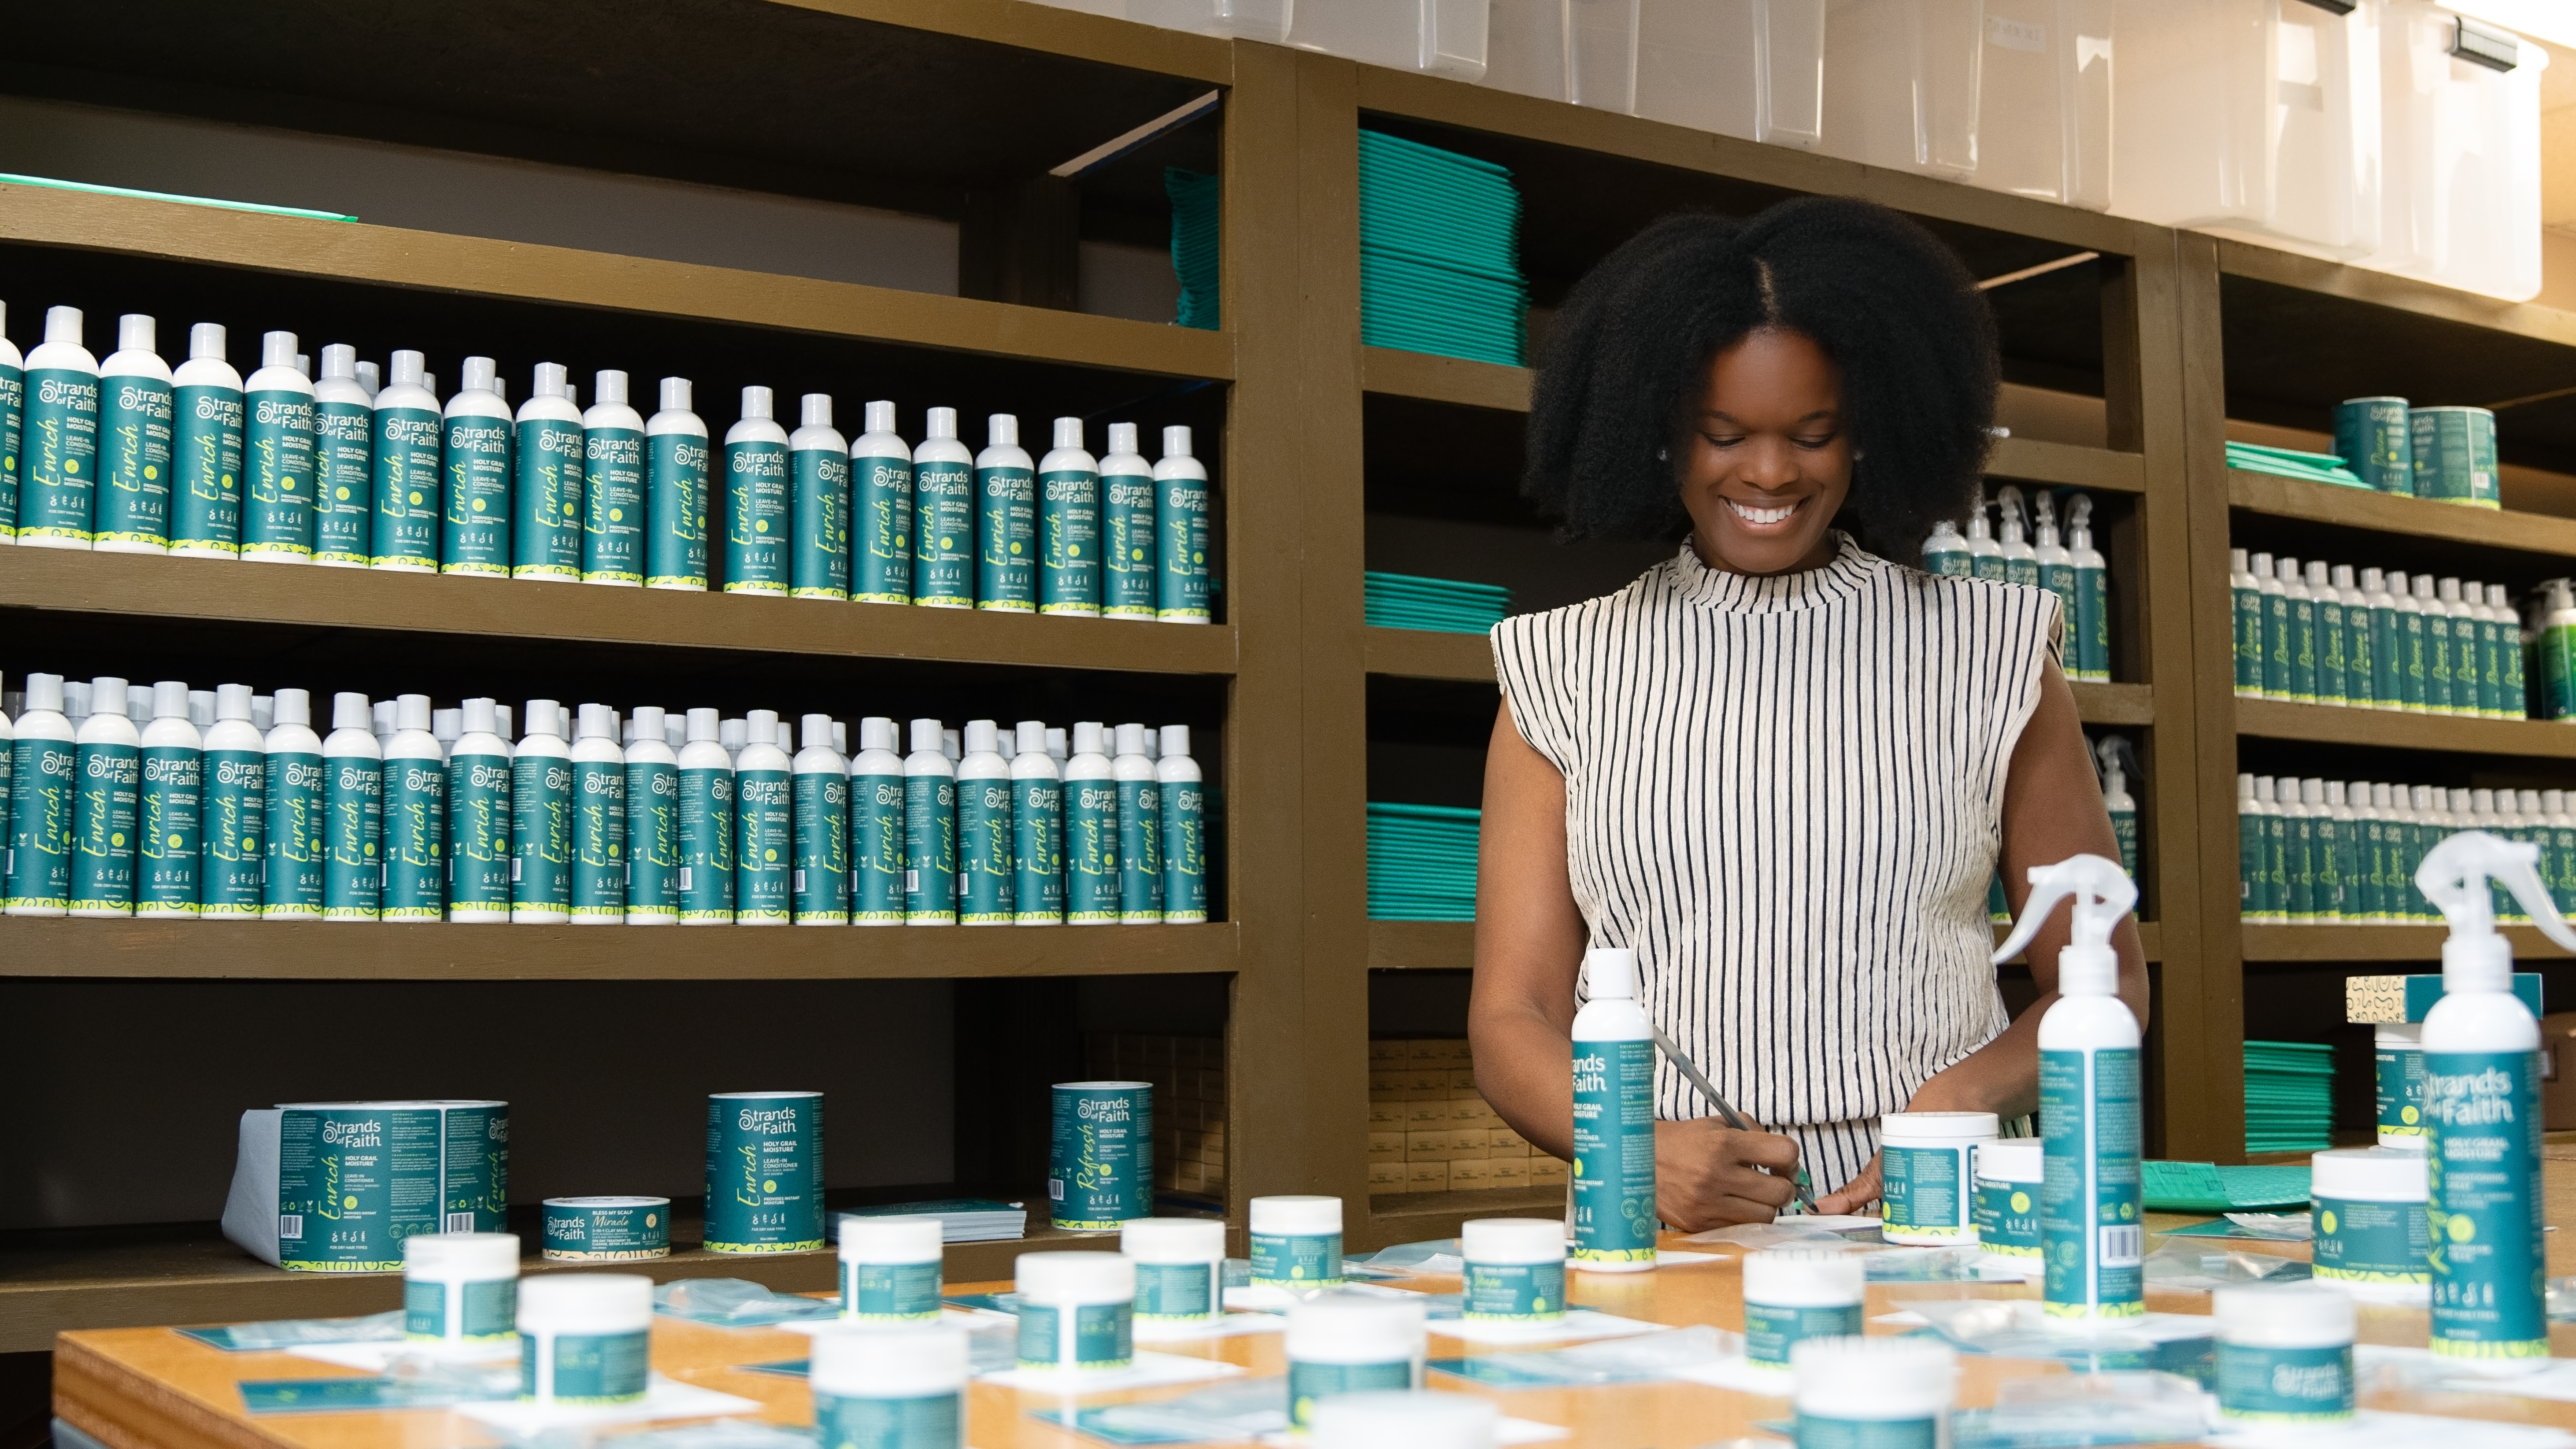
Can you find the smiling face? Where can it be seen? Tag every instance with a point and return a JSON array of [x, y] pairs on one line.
[[1766, 461]]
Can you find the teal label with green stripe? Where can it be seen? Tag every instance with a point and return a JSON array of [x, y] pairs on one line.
[[277, 474], [1176, 1292], [765, 1174], [541, 833], [1069, 542], [1296, 1260], [943, 520], [484, 1312], [589, 1368], [929, 1421], [474, 531], [1308, 1382], [2089, 1221], [13, 418], [2303, 650], [1006, 540], [822, 821], [166, 831], [1184, 852], [675, 511], [1183, 571], [599, 839], [236, 826], [2093, 624], [1820, 1431], [2249, 641], [2008, 1219], [2330, 661], [1039, 819], [706, 845], [2400, 1082], [876, 849], [612, 506], [881, 519], [929, 849], [1091, 880], [652, 841], [985, 857], [410, 490], [1100, 1162], [756, 517], [545, 500], [1513, 1292], [1127, 537], [1140, 853], [889, 1292], [478, 833], [415, 833], [2284, 1385], [59, 454], [344, 489], [1102, 1336], [134, 439], [2372, 1242], [765, 860], [2440, 668], [2487, 1258], [1771, 1329], [105, 802], [297, 839], [353, 816], [352, 1183], [1927, 1190], [821, 566], [1614, 1152]]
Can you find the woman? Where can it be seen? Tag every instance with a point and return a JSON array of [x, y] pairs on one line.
[[1781, 768]]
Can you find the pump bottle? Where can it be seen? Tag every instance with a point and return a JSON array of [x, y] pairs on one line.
[[943, 516], [291, 888], [415, 815], [13, 413], [876, 826], [1181, 518], [929, 829], [107, 779], [675, 493], [2092, 594], [1091, 823], [1069, 526], [1614, 1119], [1985, 559], [756, 502], [134, 416], [1006, 521], [1140, 829], [546, 479], [1127, 528], [167, 820], [58, 457], [1184, 815], [2021, 563], [1945, 553]]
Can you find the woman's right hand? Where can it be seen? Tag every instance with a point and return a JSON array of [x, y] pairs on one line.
[[1709, 1175]]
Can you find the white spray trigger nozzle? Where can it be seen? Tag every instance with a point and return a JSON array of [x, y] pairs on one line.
[[2454, 876], [2103, 894]]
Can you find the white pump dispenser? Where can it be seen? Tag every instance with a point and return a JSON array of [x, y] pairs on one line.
[[2056, 566], [2092, 627], [2119, 760], [1985, 559], [2021, 563]]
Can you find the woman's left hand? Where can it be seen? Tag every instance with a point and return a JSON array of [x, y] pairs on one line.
[[1854, 1195]]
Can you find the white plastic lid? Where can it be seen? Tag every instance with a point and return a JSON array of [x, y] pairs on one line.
[[1803, 1278], [461, 1257], [1090, 737], [1055, 746], [1398, 1419], [107, 696], [2368, 1174], [879, 417], [1512, 1240], [304, 364], [1176, 442], [704, 726], [598, 722], [201, 708], [138, 701], [482, 717], [815, 409], [756, 403], [1610, 974], [1879, 1378], [760, 727], [1172, 1240], [351, 712], [940, 423], [2012, 1159], [817, 731], [926, 736], [950, 746], [1065, 1279], [290, 707], [2423, 586], [1296, 1215], [63, 324], [586, 1303], [1001, 430], [135, 333], [1937, 1129], [2497, 597], [384, 720], [340, 362], [550, 378], [840, 738], [477, 375], [447, 725], [2283, 1315], [1347, 1328], [876, 732], [733, 734], [888, 1361], [2343, 576], [980, 736], [1068, 432], [232, 701], [1131, 739], [170, 699], [412, 712], [1176, 742], [2286, 570], [2450, 591], [2374, 580], [907, 1239], [206, 340], [678, 396], [1122, 437], [2262, 565], [277, 349], [1029, 737], [545, 717]]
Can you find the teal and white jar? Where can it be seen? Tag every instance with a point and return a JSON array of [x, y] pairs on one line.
[[1341, 1343], [2284, 1354], [890, 1268], [1873, 1393], [2009, 1173], [460, 1287], [1180, 1268], [889, 1388], [585, 1338], [2398, 1048], [1399, 1419], [1797, 1294], [1100, 1155], [1928, 1171], [1077, 1311], [1514, 1270], [1296, 1242], [607, 1229], [2370, 1219]]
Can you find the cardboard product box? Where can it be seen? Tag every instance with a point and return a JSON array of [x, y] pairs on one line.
[[1462, 1082], [1546, 1171], [1386, 1117], [1467, 1143], [1386, 1086], [1509, 1171], [1426, 1117], [1386, 1177], [1426, 1177], [1426, 1084], [1469, 1175], [1503, 1142], [1427, 1146], [1473, 1112], [1427, 1051], [1386, 1147]]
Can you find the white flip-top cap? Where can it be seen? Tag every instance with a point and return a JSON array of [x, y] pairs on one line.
[[545, 717], [1065, 1279], [880, 417], [467, 1257], [907, 1238], [136, 333], [888, 1361], [371, 378], [263, 712], [1610, 974], [206, 340], [107, 696], [1001, 430], [814, 410], [1006, 741], [291, 707], [760, 727], [840, 738], [1403, 1419], [1512, 1240], [1176, 442], [1176, 741], [63, 324], [1029, 736], [478, 375], [304, 364], [586, 1303], [598, 722], [1847, 1378], [876, 732], [678, 395], [1090, 737], [404, 369], [647, 720], [705, 725], [940, 423], [277, 349], [1131, 739], [1173, 1240], [756, 402], [608, 386], [550, 378], [926, 736], [170, 699], [201, 708], [351, 712], [2371, 1174], [340, 361], [2012, 1159], [981, 737], [1122, 437], [412, 712], [45, 691], [1347, 1328], [2449, 590], [816, 730], [1068, 432], [1055, 745], [232, 701], [138, 701], [386, 720], [447, 726], [482, 717], [1296, 1215]]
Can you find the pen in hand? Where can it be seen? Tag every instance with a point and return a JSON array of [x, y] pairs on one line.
[[1732, 1118]]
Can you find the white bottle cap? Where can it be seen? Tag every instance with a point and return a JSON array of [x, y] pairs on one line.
[[816, 409], [1001, 430], [107, 696], [760, 726], [138, 701], [277, 349], [340, 360], [206, 340], [609, 386], [926, 735], [879, 417], [201, 708], [705, 725], [304, 364], [1176, 442], [1296, 1215], [263, 711], [501, 718], [2312, 792], [232, 701], [733, 734], [586, 1303], [63, 324], [1512, 1240], [2373, 580], [1061, 1280], [2450, 591], [2283, 1315], [817, 730], [756, 403], [479, 374], [905, 1361], [368, 376], [840, 738], [598, 722], [170, 699], [385, 720], [482, 717], [2262, 566], [1879, 1378], [1068, 432], [351, 712], [1347, 1328], [647, 721], [1400, 1419], [941, 423], [2424, 588], [1610, 974], [461, 1257], [45, 691], [291, 707], [550, 380], [405, 368], [1090, 737], [2343, 576], [678, 396], [1172, 1240], [1937, 1129], [2529, 800], [1803, 1278], [910, 1238], [1055, 746], [2235, 556], [412, 712], [1176, 742], [2463, 802], [1122, 437], [2497, 598], [2012, 1159], [1029, 737], [545, 717], [876, 732], [447, 726], [2287, 570], [136, 333], [1131, 739], [949, 745], [2370, 1174]]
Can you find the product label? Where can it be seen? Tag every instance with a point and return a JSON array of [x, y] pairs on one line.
[[1513, 1292], [2093, 624], [1069, 542], [612, 506], [1926, 1190], [1296, 1260], [2303, 650], [889, 1292], [13, 413], [607, 1232], [410, 490], [675, 511], [2440, 667], [1167, 1292], [2008, 1218], [1140, 853], [344, 489], [352, 1183], [2279, 645], [821, 567], [589, 1368], [881, 509], [652, 841], [1308, 1382], [1100, 1162], [1091, 878], [933, 1421], [764, 1174], [1090, 1336], [415, 840], [929, 849], [1815, 1431], [2387, 660], [2401, 1093], [822, 846], [1038, 824], [59, 454], [41, 774], [479, 819], [599, 839], [474, 1187], [277, 474], [236, 826], [2414, 679], [2089, 1198], [876, 849], [353, 824], [2285, 1385], [1184, 852], [1769, 1329], [1127, 538], [765, 861], [755, 518], [291, 886], [2249, 867], [2330, 636], [2249, 642], [2372, 1242], [943, 511], [165, 831], [984, 849], [484, 1311], [2360, 661], [106, 798], [474, 533], [2487, 1256], [1614, 1152], [205, 463], [706, 845], [1183, 566], [1006, 539], [545, 501], [134, 437]]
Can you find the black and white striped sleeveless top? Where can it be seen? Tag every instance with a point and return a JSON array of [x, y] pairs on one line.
[[1786, 794]]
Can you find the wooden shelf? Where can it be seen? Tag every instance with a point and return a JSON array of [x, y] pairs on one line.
[[2298, 498], [2375, 943], [59, 947], [2067, 464], [1421, 945], [2393, 729], [1433, 378], [2383, 289], [2098, 703], [1429, 654]]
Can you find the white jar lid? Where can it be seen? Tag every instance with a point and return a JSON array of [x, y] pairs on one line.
[[1348, 1328], [1063, 1279], [1873, 1378], [1104, 1086], [1803, 1278], [2013, 1159], [2369, 1174], [1172, 1240], [760, 1096], [1394, 1419], [888, 1362], [1936, 1129], [1296, 1216], [461, 1257], [607, 1202], [2283, 1315], [2397, 1034], [586, 1303], [906, 1239], [1512, 1240]]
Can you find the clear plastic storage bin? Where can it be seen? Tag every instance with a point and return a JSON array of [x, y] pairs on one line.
[[2044, 101], [1749, 68], [1250, 19], [1445, 37], [1901, 83], [2461, 152], [1526, 47], [1601, 57]]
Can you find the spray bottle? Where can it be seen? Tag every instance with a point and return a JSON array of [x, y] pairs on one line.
[[479, 818], [876, 826], [353, 813], [166, 823], [1140, 829], [1184, 815], [2057, 575], [2119, 762], [107, 781], [1985, 559], [235, 805], [822, 815], [344, 496], [597, 895], [134, 417], [943, 516], [2090, 1107], [2299, 639], [1069, 526], [986, 888], [1945, 553], [612, 486], [291, 887], [2359, 672], [1614, 1119], [756, 502], [2327, 601], [415, 816], [59, 456], [409, 485], [13, 415], [764, 793], [1127, 528], [2092, 593], [545, 491], [675, 500], [1181, 520], [818, 466], [706, 824], [1006, 521], [1091, 880], [929, 829], [2021, 563]]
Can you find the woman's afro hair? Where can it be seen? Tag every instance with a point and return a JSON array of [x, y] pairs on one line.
[[1887, 302]]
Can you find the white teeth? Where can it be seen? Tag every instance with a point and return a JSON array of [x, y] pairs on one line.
[[1762, 515]]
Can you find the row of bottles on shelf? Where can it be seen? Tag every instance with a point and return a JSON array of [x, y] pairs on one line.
[[131, 456], [2388, 640], [2073, 569], [225, 804], [2327, 852]]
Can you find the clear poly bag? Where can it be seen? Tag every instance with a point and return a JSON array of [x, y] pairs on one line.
[[1923, 1265], [2193, 1265], [1433, 1256], [2085, 1409], [736, 1303], [1229, 1412], [300, 1332], [1785, 1233], [2277, 1227], [719, 1434], [2174, 1344], [1638, 1359]]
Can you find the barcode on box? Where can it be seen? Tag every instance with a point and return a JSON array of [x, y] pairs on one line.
[[460, 1222], [2123, 1247], [290, 1225], [1055, 1189]]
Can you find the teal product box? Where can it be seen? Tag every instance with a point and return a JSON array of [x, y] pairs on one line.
[[1100, 1168], [764, 1172]]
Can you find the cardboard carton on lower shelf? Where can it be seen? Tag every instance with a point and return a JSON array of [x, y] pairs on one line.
[[1386, 1177], [1472, 1174], [1546, 1171], [1426, 1177], [1508, 1172]]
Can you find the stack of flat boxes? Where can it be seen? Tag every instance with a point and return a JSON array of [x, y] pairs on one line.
[[1429, 1130], [1188, 1073]]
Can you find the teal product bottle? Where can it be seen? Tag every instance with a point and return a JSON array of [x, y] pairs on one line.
[[986, 846], [2302, 822], [2021, 561], [1614, 1119], [2439, 697], [598, 857], [545, 488], [929, 830], [1090, 853], [1043, 817], [13, 418], [2249, 851], [235, 806], [43, 769], [822, 819], [876, 826], [168, 811], [880, 515], [297, 840], [756, 502], [2513, 692], [2092, 594], [1985, 559], [1069, 526], [2414, 684], [1127, 529], [1945, 553], [107, 784], [58, 454], [1185, 900], [353, 814], [765, 829], [2387, 667], [277, 456], [943, 516], [415, 817], [2119, 760], [541, 820], [134, 435], [612, 486], [652, 822], [706, 825], [2303, 632], [344, 487], [2360, 669], [2247, 593], [1181, 517], [2328, 607], [1140, 830], [474, 529], [2277, 639], [818, 466], [2468, 684], [2491, 650], [479, 818], [409, 485], [1006, 521], [675, 494]]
